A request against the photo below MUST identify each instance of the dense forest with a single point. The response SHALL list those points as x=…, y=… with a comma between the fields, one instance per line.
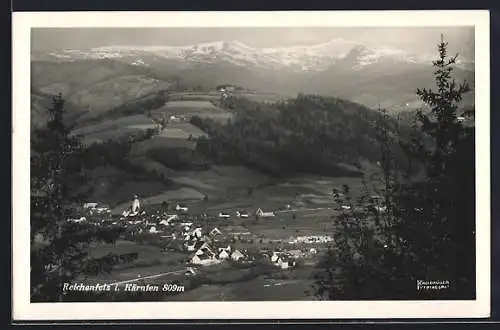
x=308, y=134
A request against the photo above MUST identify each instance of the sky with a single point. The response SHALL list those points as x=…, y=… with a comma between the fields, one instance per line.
x=416, y=39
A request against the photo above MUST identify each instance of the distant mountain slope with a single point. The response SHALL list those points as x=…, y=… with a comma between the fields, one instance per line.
x=370, y=76
x=302, y=58
x=96, y=85
x=40, y=102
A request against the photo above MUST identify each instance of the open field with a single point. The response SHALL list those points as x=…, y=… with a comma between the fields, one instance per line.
x=182, y=130
x=262, y=97
x=190, y=108
x=140, y=148
x=123, y=122
x=113, y=186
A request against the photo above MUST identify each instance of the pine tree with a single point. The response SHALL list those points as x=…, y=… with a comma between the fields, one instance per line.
x=58, y=247
x=439, y=217
x=427, y=231
x=367, y=260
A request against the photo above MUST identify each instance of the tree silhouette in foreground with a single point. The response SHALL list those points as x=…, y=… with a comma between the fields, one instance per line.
x=58, y=186
x=424, y=229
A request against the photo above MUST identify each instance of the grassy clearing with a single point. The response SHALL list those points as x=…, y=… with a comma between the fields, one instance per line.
x=189, y=104
x=114, y=124
x=186, y=128
x=141, y=148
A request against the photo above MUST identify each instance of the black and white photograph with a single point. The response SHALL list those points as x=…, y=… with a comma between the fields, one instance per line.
x=252, y=159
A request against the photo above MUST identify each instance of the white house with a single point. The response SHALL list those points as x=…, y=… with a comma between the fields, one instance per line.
x=100, y=210
x=82, y=219
x=237, y=255
x=164, y=223
x=345, y=207
x=204, y=256
x=174, y=118
x=202, y=248
x=242, y=214
x=197, y=232
x=169, y=219
x=89, y=205
x=224, y=215
x=224, y=255
x=204, y=260
x=261, y=213
x=181, y=207
x=215, y=232
x=460, y=119
x=284, y=263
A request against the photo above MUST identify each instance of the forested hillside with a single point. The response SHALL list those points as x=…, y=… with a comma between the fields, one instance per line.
x=308, y=134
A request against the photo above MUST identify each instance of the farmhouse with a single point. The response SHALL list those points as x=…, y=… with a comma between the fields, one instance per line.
x=170, y=218
x=204, y=260
x=224, y=215
x=261, y=213
x=237, y=255
x=89, y=205
x=204, y=256
x=181, y=207
x=82, y=219
x=215, y=232
x=174, y=118
x=286, y=263
x=224, y=255
x=242, y=214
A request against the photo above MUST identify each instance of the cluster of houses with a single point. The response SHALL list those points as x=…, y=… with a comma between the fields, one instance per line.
x=202, y=240
x=94, y=211
x=226, y=91
x=312, y=239
x=206, y=254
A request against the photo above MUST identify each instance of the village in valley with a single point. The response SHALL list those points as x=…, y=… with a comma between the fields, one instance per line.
x=198, y=244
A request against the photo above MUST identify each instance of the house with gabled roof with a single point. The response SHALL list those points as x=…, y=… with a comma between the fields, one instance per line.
x=215, y=232
x=204, y=255
x=261, y=213
x=242, y=214
x=237, y=255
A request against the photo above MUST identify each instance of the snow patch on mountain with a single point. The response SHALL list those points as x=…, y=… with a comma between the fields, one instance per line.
x=304, y=58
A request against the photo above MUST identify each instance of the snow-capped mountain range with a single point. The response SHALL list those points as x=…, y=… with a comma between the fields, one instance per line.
x=298, y=58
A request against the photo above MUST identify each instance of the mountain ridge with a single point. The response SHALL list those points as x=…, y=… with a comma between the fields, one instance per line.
x=300, y=58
